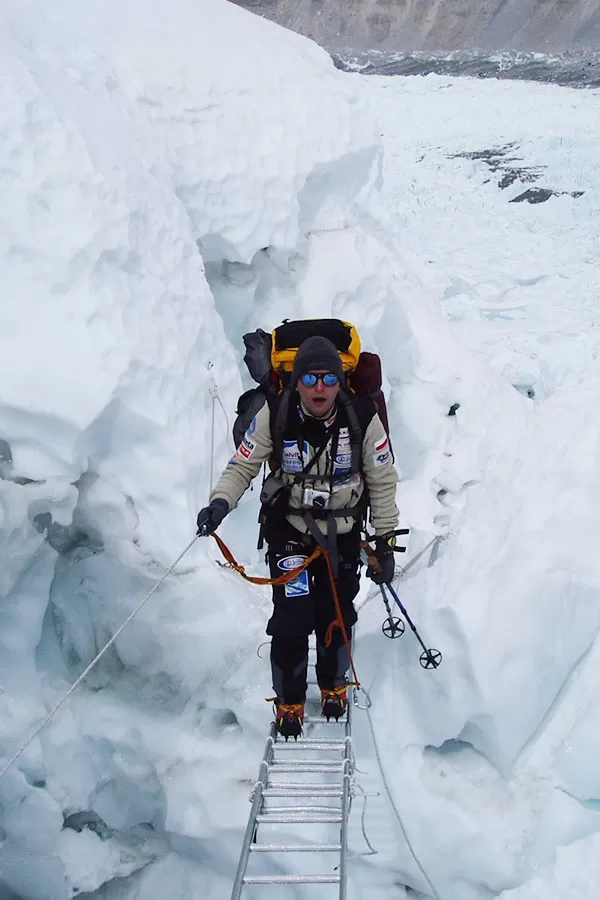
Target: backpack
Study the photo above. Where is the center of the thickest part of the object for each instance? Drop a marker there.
(288, 337)
(270, 360)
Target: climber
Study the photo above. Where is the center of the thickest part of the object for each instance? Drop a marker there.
(331, 462)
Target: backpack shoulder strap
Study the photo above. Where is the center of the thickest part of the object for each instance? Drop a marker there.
(279, 407)
(359, 412)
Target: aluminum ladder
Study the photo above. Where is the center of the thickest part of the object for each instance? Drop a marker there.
(321, 803)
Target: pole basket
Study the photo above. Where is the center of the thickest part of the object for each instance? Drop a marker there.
(393, 627)
(430, 659)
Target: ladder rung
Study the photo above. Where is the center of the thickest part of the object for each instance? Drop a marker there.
(323, 744)
(312, 742)
(305, 766)
(295, 848)
(322, 792)
(321, 720)
(291, 879)
(291, 760)
(291, 810)
(302, 785)
(298, 820)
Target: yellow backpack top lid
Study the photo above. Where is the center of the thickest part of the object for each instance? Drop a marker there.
(288, 337)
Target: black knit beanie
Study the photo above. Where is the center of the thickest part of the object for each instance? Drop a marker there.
(317, 353)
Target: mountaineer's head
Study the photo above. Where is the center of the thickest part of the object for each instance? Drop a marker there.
(317, 375)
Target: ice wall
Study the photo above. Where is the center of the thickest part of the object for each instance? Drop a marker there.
(140, 145)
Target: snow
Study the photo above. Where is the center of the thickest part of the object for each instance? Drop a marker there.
(170, 178)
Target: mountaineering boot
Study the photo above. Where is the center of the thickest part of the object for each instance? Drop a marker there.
(334, 702)
(289, 718)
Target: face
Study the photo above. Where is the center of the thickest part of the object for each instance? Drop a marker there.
(320, 399)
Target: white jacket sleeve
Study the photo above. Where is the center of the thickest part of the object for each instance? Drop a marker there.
(244, 465)
(381, 477)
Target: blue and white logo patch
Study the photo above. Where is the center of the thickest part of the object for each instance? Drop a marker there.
(298, 587)
(343, 457)
(291, 459)
(380, 459)
(290, 562)
(343, 463)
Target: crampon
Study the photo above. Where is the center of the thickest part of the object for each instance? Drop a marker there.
(334, 702)
(289, 718)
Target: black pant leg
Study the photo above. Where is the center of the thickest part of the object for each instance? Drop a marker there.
(289, 661)
(333, 662)
(293, 617)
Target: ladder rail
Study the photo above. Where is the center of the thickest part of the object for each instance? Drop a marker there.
(344, 825)
(257, 801)
(276, 762)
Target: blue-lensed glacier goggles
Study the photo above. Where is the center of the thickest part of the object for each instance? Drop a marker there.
(310, 379)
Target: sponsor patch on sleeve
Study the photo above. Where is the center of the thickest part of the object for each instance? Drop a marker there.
(246, 448)
(380, 459)
(382, 444)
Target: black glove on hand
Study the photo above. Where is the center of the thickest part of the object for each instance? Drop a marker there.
(211, 516)
(384, 554)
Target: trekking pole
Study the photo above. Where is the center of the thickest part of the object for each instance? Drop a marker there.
(393, 627)
(430, 658)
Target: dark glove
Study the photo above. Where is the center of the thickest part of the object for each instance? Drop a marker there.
(384, 554)
(211, 516)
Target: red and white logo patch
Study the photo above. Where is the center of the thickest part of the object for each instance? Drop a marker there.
(381, 445)
(246, 448)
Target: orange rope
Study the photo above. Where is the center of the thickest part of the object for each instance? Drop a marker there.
(339, 621)
(255, 579)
